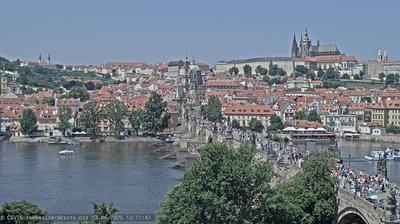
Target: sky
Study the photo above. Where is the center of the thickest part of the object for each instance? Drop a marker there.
(93, 32)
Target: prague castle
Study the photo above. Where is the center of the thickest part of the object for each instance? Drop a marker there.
(313, 56)
(305, 48)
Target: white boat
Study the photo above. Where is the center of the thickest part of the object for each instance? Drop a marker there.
(374, 155)
(66, 152)
(390, 155)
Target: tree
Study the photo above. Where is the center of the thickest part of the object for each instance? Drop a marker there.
(331, 74)
(64, 115)
(21, 209)
(155, 108)
(79, 92)
(357, 77)
(247, 70)
(104, 213)
(258, 69)
(116, 112)
(309, 197)
(234, 71)
(28, 122)
(264, 71)
(310, 75)
(213, 110)
(49, 101)
(276, 123)
(235, 124)
(390, 79)
(332, 84)
(225, 185)
(276, 71)
(137, 118)
(382, 76)
(320, 73)
(313, 116)
(396, 78)
(90, 117)
(345, 76)
(301, 69)
(255, 125)
(300, 115)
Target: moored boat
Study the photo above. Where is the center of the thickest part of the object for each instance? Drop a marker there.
(66, 152)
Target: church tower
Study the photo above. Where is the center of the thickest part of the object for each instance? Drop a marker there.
(305, 44)
(48, 58)
(379, 56)
(295, 48)
(385, 56)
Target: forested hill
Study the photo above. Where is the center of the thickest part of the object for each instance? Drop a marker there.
(39, 76)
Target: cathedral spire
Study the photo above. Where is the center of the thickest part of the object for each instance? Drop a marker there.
(295, 48)
(379, 55)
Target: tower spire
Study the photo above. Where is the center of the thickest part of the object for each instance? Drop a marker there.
(40, 57)
(49, 58)
(295, 48)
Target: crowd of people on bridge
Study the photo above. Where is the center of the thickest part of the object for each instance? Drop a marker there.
(358, 182)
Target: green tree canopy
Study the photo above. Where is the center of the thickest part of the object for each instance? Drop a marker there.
(155, 108)
(28, 122)
(300, 115)
(225, 185)
(331, 74)
(213, 110)
(247, 70)
(234, 71)
(390, 79)
(276, 123)
(104, 213)
(382, 76)
(79, 92)
(301, 69)
(309, 197)
(49, 101)
(21, 208)
(320, 73)
(137, 118)
(256, 125)
(313, 116)
(345, 76)
(235, 124)
(310, 74)
(64, 115)
(116, 112)
(90, 117)
(276, 71)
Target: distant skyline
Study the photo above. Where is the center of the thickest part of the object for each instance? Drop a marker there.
(93, 32)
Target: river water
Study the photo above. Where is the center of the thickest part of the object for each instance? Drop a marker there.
(128, 174)
(352, 152)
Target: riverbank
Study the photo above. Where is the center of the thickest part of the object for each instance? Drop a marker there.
(85, 139)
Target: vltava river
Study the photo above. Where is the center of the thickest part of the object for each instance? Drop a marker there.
(128, 174)
(357, 150)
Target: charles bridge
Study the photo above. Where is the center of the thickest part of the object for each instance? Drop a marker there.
(351, 208)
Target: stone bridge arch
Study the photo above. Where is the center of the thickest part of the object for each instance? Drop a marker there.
(351, 215)
(210, 139)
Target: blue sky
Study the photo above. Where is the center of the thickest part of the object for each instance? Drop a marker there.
(92, 32)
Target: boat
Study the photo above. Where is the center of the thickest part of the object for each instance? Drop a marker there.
(390, 155)
(66, 152)
(169, 140)
(373, 155)
(332, 148)
(168, 156)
